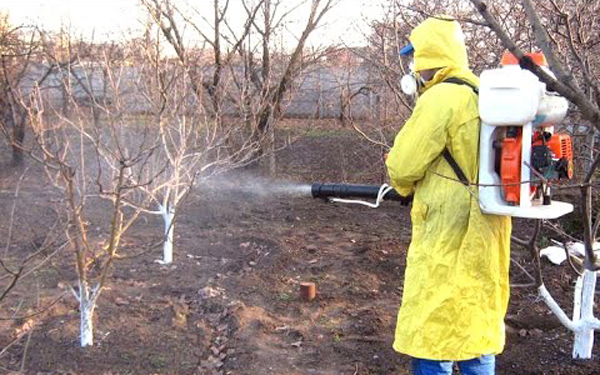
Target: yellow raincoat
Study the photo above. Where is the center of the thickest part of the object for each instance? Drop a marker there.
(456, 280)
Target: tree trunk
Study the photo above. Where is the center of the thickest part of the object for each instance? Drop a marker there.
(271, 151)
(17, 137)
(17, 143)
(584, 337)
(87, 305)
(264, 138)
(168, 216)
(590, 140)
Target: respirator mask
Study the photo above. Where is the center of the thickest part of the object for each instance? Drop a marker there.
(411, 83)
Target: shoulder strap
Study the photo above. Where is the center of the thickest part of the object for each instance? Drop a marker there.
(447, 155)
(459, 173)
(459, 81)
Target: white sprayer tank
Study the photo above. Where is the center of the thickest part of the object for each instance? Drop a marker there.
(510, 96)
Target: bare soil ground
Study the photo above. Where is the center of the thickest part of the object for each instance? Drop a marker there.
(230, 303)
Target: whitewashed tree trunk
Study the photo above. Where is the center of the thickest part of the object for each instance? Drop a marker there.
(583, 323)
(87, 305)
(87, 322)
(168, 215)
(584, 336)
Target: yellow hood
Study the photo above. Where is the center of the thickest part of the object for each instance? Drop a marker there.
(439, 42)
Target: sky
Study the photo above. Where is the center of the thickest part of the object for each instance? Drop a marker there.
(113, 19)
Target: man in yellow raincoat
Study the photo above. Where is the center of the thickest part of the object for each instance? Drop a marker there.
(456, 281)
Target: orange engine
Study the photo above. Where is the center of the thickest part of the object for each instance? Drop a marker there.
(551, 157)
(510, 165)
(561, 147)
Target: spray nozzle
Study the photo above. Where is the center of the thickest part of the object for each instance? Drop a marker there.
(328, 191)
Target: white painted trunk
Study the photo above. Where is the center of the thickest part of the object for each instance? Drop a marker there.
(87, 305)
(555, 308)
(584, 336)
(168, 244)
(87, 323)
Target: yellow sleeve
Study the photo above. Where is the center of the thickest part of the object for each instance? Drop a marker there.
(420, 141)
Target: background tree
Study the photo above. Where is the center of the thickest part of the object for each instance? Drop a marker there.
(29, 57)
(193, 144)
(247, 77)
(87, 156)
(18, 46)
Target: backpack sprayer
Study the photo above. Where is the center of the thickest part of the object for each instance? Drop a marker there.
(519, 153)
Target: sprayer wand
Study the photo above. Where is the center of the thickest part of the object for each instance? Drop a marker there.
(341, 192)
